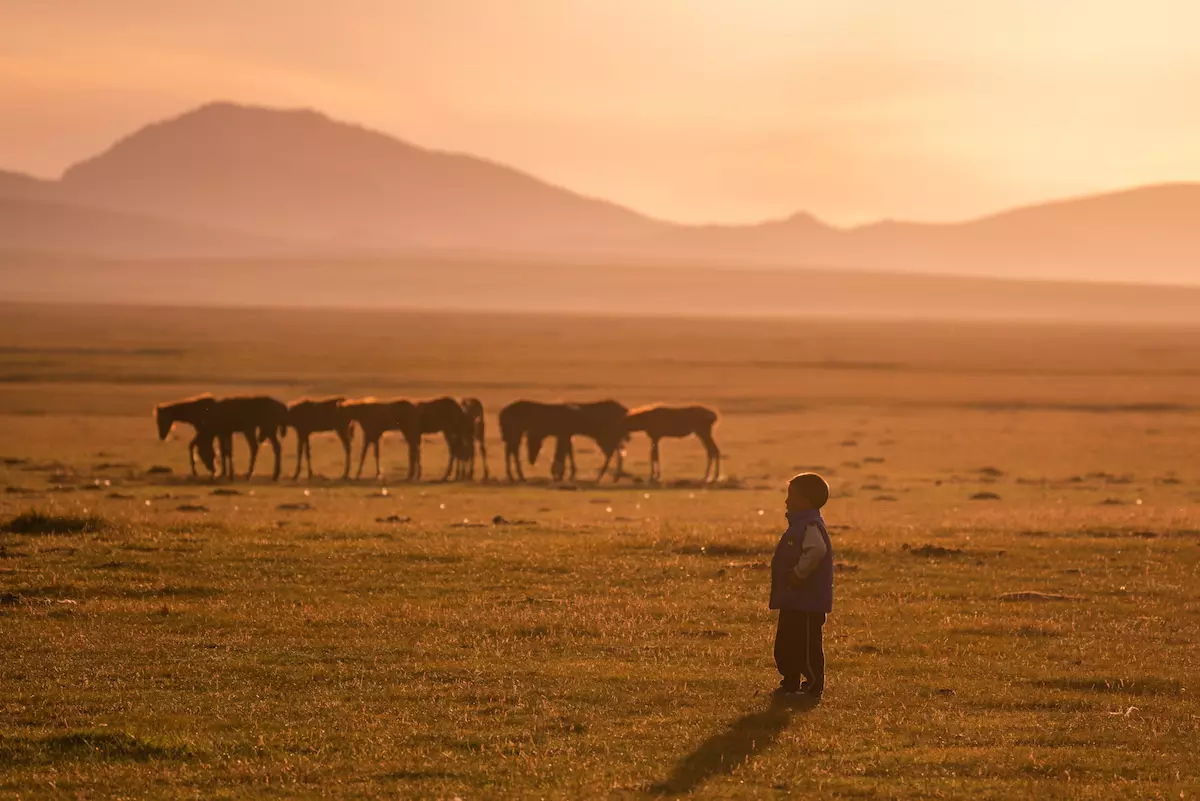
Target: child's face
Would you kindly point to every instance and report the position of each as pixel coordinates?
(796, 502)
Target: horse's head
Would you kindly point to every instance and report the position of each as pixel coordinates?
(207, 454)
(165, 419)
(533, 442)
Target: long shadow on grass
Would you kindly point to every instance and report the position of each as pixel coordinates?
(723, 752)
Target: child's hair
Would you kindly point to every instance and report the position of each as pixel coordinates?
(811, 487)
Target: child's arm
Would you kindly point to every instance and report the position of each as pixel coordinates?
(812, 551)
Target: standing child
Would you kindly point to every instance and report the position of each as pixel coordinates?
(802, 588)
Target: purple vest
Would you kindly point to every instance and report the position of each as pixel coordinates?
(815, 593)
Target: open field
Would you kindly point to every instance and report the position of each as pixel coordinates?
(615, 286)
(184, 639)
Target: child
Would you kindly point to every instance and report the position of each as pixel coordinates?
(802, 588)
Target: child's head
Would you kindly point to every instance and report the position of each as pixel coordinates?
(807, 491)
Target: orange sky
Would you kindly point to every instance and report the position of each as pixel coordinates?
(695, 110)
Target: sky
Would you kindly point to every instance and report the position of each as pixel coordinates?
(690, 110)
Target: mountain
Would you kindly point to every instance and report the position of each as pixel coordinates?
(238, 180)
(15, 186)
(299, 175)
(1150, 233)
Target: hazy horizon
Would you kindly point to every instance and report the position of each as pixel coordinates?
(695, 112)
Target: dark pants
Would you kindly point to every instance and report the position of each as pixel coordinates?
(798, 652)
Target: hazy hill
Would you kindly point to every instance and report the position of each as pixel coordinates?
(41, 225)
(14, 185)
(1150, 233)
(258, 180)
(299, 175)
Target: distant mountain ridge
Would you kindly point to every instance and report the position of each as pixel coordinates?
(234, 180)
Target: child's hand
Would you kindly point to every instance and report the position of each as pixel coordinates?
(793, 580)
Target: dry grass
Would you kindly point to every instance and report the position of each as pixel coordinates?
(329, 638)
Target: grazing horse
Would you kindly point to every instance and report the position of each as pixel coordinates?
(197, 412)
(516, 419)
(677, 421)
(259, 419)
(308, 417)
(445, 416)
(473, 409)
(602, 421)
(378, 417)
(531, 420)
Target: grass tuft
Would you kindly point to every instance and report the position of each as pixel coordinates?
(85, 745)
(38, 522)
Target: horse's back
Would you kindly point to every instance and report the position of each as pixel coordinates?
(317, 414)
(515, 418)
(245, 412)
(404, 414)
(672, 421)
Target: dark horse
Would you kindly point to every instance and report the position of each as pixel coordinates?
(677, 421)
(473, 409)
(445, 416)
(516, 419)
(375, 418)
(258, 418)
(197, 412)
(308, 417)
(602, 421)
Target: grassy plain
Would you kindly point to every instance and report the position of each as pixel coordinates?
(606, 641)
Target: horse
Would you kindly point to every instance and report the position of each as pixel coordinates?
(677, 421)
(259, 419)
(516, 420)
(195, 411)
(308, 417)
(473, 409)
(377, 417)
(600, 420)
(445, 416)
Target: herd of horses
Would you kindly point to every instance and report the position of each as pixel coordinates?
(261, 419)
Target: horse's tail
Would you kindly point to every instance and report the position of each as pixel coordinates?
(278, 425)
(281, 416)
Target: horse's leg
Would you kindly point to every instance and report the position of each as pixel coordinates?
(362, 459)
(714, 455)
(301, 439)
(608, 455)
(482, 457)
(655, 467)
(226, 443)
(558, 465)
(277, 449)
(571, 457)
(414, 458)
(192, 446)
(378, 469)
(344, 436)
(252, 441)
(450, 465)
(517, 459)
(308, 457)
